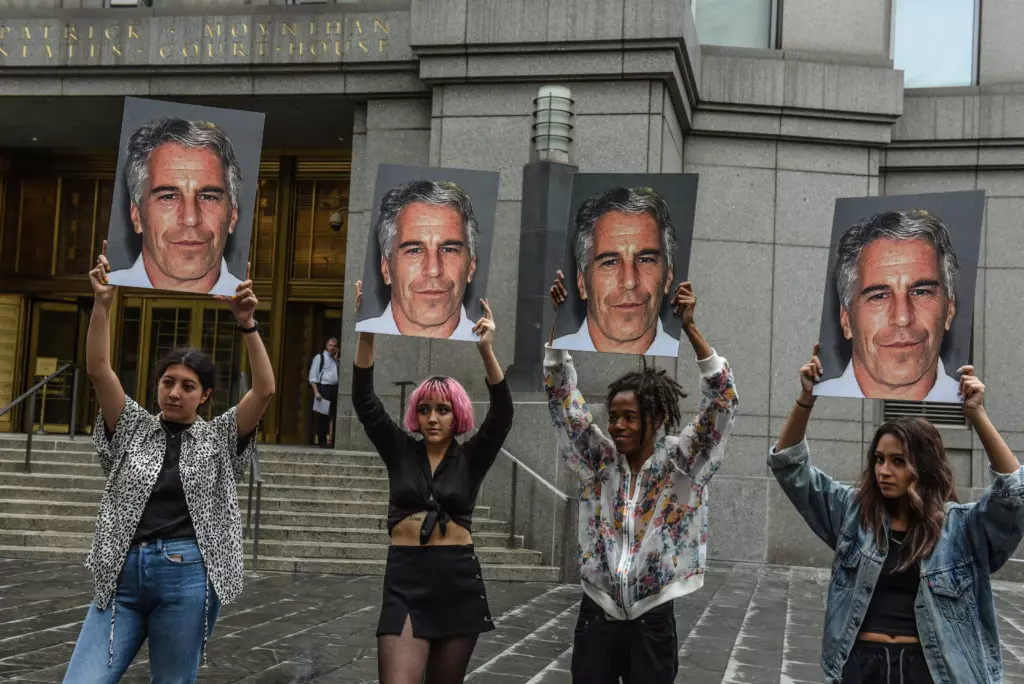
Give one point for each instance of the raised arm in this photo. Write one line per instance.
(996, 522)
(820, 500)
(109, 393)
(378, 425)
(701, 446)
(490, 437)
(254, 404)
(585, 449)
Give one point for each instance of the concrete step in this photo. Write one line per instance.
(84, 524)
(275, 503)
(360, 520)
(53, 481)
(334, 469)
(41, 522)
(492, 572)
(29, 507)
(46, 443)
(41, 467)
(352, 551)
(18, 455)
(280, 526)
(334, 482)
(292, 492)
(341, 535)
(48, 492)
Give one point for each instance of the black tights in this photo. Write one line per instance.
(406, 659)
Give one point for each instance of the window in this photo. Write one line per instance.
(735, 23)
(128, 3)
(935, 413)
(935, 42)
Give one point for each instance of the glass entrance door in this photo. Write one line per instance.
(151, 328)
(54, 342)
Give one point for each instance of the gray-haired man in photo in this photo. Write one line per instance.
(624, 245)
(896, 276)
(183, 181)
(427, 234)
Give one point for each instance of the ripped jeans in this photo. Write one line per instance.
(163, 594)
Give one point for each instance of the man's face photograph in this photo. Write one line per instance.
(898, 314)
(181, 215)
(185, 214)
(429, 268)
(898, 306)
(429, 251)
(626, 279)
(629, 238)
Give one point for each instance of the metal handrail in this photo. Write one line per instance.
(72, 420)
(254, 477)
(516, 465)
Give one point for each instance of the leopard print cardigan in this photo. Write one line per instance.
(212, 461)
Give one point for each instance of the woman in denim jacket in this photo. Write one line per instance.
(910, 598)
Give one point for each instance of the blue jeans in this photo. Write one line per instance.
(162, 594)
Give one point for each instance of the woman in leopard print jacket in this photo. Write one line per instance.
(168, 545)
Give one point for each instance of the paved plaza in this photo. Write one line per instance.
(749, 624)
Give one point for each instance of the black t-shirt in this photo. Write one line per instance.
(166, 515)
(891, 610)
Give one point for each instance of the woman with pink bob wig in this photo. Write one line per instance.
(435, 603)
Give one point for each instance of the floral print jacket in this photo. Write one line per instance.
(641, 551)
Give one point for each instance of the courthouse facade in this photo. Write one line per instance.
(779, 105)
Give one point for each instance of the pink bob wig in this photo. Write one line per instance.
(448, 389)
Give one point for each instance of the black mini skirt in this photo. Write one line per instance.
(440, 588)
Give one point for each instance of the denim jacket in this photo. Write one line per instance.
(955, 610)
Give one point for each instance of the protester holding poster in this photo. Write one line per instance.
(643, 520)
(629, 244)
(182, 213)
(427, 262)
(435, 603)
(911, 590)
(167, 552)
(900, 296)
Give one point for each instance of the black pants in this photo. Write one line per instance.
(640, 651)
(871, 663)
(322, 423)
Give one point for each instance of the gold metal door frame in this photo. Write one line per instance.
(197, 307)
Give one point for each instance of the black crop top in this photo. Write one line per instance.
(891, 610)
(450, 493)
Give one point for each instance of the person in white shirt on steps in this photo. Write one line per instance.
(323, 377)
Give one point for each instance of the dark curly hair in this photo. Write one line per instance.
(657, 394)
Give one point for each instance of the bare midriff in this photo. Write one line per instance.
(407, 533)
(876, 638)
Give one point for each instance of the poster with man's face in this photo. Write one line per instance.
(899, 301)
(627, 248)
(429, 252)
(184, 196)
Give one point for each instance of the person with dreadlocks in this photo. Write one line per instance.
(910, 596)
(643, 516)
(435, 604)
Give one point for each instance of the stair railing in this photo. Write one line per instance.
(254, 479)
(518, 465)
(30, 394)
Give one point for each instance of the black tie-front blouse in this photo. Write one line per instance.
(450, 493)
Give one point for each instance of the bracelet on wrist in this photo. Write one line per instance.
(245, 331)
(806, 406)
